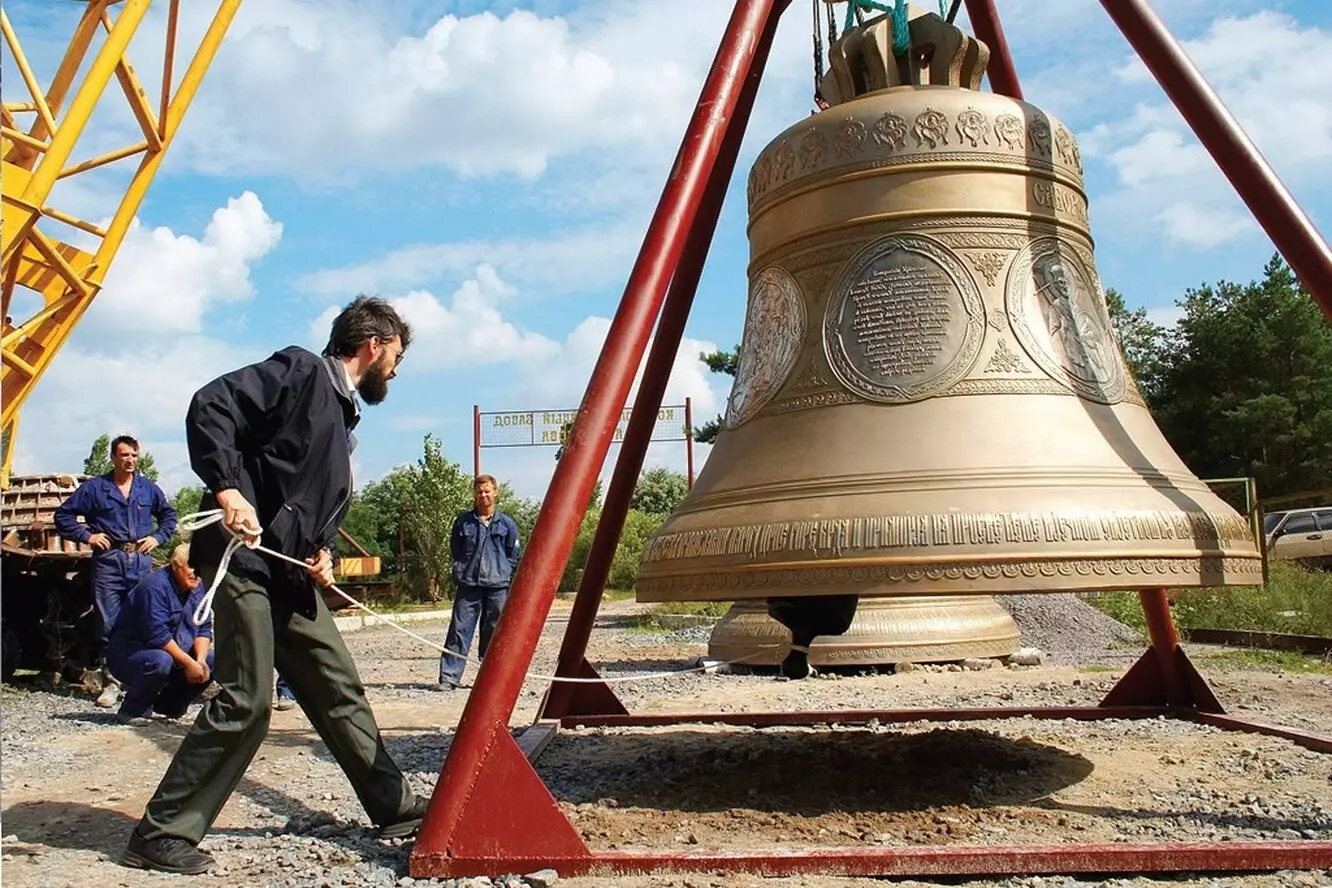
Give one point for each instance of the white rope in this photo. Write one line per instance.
(197, 520)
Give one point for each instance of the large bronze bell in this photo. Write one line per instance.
(930, 398)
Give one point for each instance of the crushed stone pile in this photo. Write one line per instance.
(1070, 630)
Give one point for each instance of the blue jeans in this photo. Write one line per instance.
(470, 603)
(153, 681)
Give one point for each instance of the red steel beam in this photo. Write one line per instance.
(1307, 739)
(984, 18)
(1165, 641)
(860, 716)
(656, 375)
(937, 860)
(1238, 157)
(500, 678)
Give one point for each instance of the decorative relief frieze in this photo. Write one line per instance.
(838, 537)
(1110, 571)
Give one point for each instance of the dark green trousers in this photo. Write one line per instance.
(251, 637)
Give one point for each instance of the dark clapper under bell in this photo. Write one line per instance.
(808, 618)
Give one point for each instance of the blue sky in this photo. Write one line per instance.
(492, 167)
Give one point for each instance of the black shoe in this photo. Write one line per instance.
(134, 721)
(168, 854)
(796, 665)
(410, 822)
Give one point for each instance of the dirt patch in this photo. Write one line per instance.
(75, 781)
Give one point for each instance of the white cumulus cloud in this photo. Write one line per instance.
(148, 342)
(134, 391)
(1271, 73)
(162, 281)
(477, 94)
(564, 262)
(468, 330)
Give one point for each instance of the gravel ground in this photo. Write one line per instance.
(75, 781)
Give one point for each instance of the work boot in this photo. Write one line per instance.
(168, 854)
(410, 822)
(110, 695)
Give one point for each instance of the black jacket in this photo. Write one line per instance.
(280, 432)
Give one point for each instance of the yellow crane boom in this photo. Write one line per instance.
(37, 155)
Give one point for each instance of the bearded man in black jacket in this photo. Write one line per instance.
(272, 442)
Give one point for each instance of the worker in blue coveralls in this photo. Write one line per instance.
(163, 658)
(118, 509)
(485, 549)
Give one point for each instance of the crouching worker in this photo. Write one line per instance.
(162, 658)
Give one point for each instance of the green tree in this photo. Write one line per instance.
(659, 491)
(582, 547)
(185, 502)
(376, 513)
(639, 526)
(437, 490)
(587, 528)
(727, 362)
(522, 511)
(1142, 342)
(1245, 385)
(99, 460)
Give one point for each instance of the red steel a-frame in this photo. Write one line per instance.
(491, 813)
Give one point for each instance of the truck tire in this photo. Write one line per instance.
(11, 652)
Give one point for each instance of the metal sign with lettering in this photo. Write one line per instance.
(525, 428)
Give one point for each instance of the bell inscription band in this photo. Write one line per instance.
(930, 398)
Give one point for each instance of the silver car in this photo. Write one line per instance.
(1303, 535)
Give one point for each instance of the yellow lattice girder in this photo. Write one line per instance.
(32, 256)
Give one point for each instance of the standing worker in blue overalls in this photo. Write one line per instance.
(485, 550)
(118, 509)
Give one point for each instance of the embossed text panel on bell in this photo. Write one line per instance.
(528, 428)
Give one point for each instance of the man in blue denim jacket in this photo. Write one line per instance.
(118, 508)
(485, 550)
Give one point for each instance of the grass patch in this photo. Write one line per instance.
(716, 609)
(1295, 600)
(1282, 661)
(657, 617)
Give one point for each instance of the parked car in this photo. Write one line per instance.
(1303, 535)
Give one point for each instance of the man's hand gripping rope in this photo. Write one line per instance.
(243, 525)
(239, 519)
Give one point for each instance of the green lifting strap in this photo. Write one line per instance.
(901, 28)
